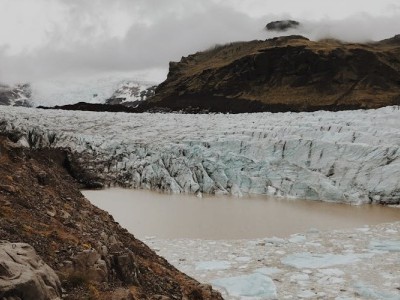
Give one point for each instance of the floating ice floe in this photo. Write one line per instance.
(369, 292)
(297, 238)
(388, 245)
(251, 286)
(315, 261)
(268, 271)
(213, 265)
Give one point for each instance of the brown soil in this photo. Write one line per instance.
(41, 204)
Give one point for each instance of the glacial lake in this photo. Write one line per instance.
(146, 214)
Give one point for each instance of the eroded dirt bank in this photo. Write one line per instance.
(94, 257)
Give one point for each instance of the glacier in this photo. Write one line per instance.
(348, 156)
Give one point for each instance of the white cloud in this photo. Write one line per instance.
(47, 38)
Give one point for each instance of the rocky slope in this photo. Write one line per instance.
(17, 95)
(288, 73)
(348, 156)
(92, 255)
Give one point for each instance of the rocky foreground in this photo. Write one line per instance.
(289, 73)
(350, 156)
(46, 224)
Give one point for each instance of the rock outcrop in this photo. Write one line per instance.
(94, 257)
(283, 25)
(288, 73)
(24, 275)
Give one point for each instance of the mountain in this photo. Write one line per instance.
(290, 73)
(16, 95)
(131, 93)
(97, 90)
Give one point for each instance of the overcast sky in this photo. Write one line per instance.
(42, 39)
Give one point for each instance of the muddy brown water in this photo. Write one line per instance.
(146, 213)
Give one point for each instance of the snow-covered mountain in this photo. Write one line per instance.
(130, 93)
(110, 89)
(15, 95)
(348, 156)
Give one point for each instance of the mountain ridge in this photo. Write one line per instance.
(290, 73)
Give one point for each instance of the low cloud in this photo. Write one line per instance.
(89, 41)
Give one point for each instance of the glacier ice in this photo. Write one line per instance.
(348, 156)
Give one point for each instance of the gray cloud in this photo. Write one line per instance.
(114, 36)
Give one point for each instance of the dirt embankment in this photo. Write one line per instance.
(40, 204)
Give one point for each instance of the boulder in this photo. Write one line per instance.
(24, 275)
(89, 263)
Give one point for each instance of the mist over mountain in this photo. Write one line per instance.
(82, 39)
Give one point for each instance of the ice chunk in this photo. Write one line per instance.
(332, 272)
(268, 271)
(315, 261)
(213, 265)
(369, 292)
(275, 241)
(306, 294)
(389, 245)
(299, 278)
(243, 259)
(252, 286)
(297, 238)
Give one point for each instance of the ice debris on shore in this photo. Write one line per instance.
(340, 264)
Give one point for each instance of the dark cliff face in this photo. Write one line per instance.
(283, 74)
